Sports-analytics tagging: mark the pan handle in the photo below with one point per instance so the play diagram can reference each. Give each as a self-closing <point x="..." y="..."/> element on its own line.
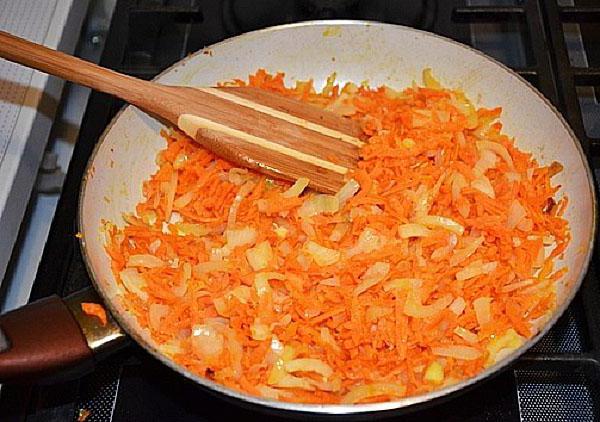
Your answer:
<point x="52" y="339"/>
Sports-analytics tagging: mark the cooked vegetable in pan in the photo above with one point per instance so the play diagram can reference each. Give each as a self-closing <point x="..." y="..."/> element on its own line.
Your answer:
<point x="436" y="259"/>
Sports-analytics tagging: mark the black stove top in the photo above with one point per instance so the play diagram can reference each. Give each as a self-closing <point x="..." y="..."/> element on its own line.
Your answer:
<point x="555" y="45"/>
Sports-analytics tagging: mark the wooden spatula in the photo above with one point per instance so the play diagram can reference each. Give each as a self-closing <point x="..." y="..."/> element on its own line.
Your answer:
<point x="272" y="134"/>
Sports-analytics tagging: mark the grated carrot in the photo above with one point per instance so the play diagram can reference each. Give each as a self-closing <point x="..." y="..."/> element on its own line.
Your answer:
<point x="238" y="326"/>
<point x="95" y="310"/>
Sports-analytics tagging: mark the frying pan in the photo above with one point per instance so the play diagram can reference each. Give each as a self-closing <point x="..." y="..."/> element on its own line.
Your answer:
<point x="53" y="334"/>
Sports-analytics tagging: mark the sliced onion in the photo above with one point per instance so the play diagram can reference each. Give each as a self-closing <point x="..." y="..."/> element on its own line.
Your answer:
<point x="548" y="240"/>
<point x="443" y="116"/>
<point x="483" y="185"/>
<point x="458" y="183"/>
<point x="466" y="335"/>
<point x="240" y="237"/>
<point x="134" y="282"/>
<point x="440" y="253"/>
<point x="149" y="217"/>
<point x="422" y="201"/>
<point x="460" y="101"/>
<point x="472" y="244"/>
<point x="457" y="352"/>
<point x="443" y="251"/>
<point x="342" y="105"/>
<point x="290" y="381"/>
<point x="221" y="306"/>
<point x="271" y="393"/>
<point x="402" y="283"/>
<point x="472" y="270"/>
<point x="487" y="160"/>
<point x="261" y="282"/>
<point x="237" y="200"/>
<point x="156" y="312"/>
<point x="347" y="191"/>
<point x="184" y="200"/>
<point x="170" y="190"/>
<point x="186" y="274"/>
<point x="498" y="149"/>
<point x="211" y="266"/>
<point x="309" y="365"/>
<point x="516" y="213"/>
<point x="321" y="255"/>
<point x="516" y="286"/>
<point x="207" y="341"/>
<point x="458" y="306"/>
<point x="460" y="138"/>
<point x="154" y="245"/>
<point x="413" y="230"/>
<point x="277" y="372"/>
<point x="392" y="94"/>
<point x="332" y="282"/>
<point x="429" y="81"/>
<point x="329" y="85"/>
<point x="189" y="229"/>
<point x="512" y="176"/>
<point x="489" y="267"/>
<point x="319" y="204"/>
<point x="372" y="276"/>
<point x="434" y="374"/>
<point x="328" y="339"/>
<point x="362" y="392"/>
<point x="483" y="311"/>
<point x="241" y="293"/>
<point x="350" y="88"/>
<point x="408" y="143"/>
<point x="297" y="188"/>
<point x="284" y="248"/>
<point x="539" y="260"/>
<point x="476" y="268"/>
<point x="418" y="251"/>
<point x="442" y="222"/>
<point x="368" y="241"/>
<point x="529" y="173"/>
<point x="237" y="176"/>
<point x="171" y="347"/>
<point x="259" y="331"/>
<point x="307" y="227"/>
<point x="235" y="350"/>
<point x="525" y="225"/>
<point x="175" y="218"/>
<point x="179" y="161"/>
<point x="280" y="231"/>
<point x="260" y="256"/>
<point x="338" y="232"/>
<point x="502" y="345"/>
<point x="464" y="208"/>
<point x="304" y="261"/>
<point x="145" y="260"/>
<point x="413" y="306"/>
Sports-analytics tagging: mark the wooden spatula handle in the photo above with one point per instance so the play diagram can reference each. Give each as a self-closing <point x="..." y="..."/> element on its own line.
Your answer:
<point x="19" y="50"/>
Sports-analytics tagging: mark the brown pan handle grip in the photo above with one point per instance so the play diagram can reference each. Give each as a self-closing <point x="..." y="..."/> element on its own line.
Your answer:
<point x="53" y="339"/>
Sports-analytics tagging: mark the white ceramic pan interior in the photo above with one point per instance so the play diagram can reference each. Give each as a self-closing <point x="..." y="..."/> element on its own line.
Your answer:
<point x="356" y="51"/>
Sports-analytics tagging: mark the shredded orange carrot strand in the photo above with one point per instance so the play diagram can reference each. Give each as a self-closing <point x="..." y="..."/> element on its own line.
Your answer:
<point x="95" y="310"/>
<point x="445" y="259"/>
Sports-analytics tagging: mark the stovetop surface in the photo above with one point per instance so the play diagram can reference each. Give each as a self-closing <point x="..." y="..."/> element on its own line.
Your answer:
<point x="556" y="46"/>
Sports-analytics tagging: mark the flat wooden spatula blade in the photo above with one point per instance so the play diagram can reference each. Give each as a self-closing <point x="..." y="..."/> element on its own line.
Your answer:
<point x="280" y="136"/>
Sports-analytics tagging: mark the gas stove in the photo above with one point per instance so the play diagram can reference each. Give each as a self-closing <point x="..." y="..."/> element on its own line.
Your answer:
<point x="554" y="45"/>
